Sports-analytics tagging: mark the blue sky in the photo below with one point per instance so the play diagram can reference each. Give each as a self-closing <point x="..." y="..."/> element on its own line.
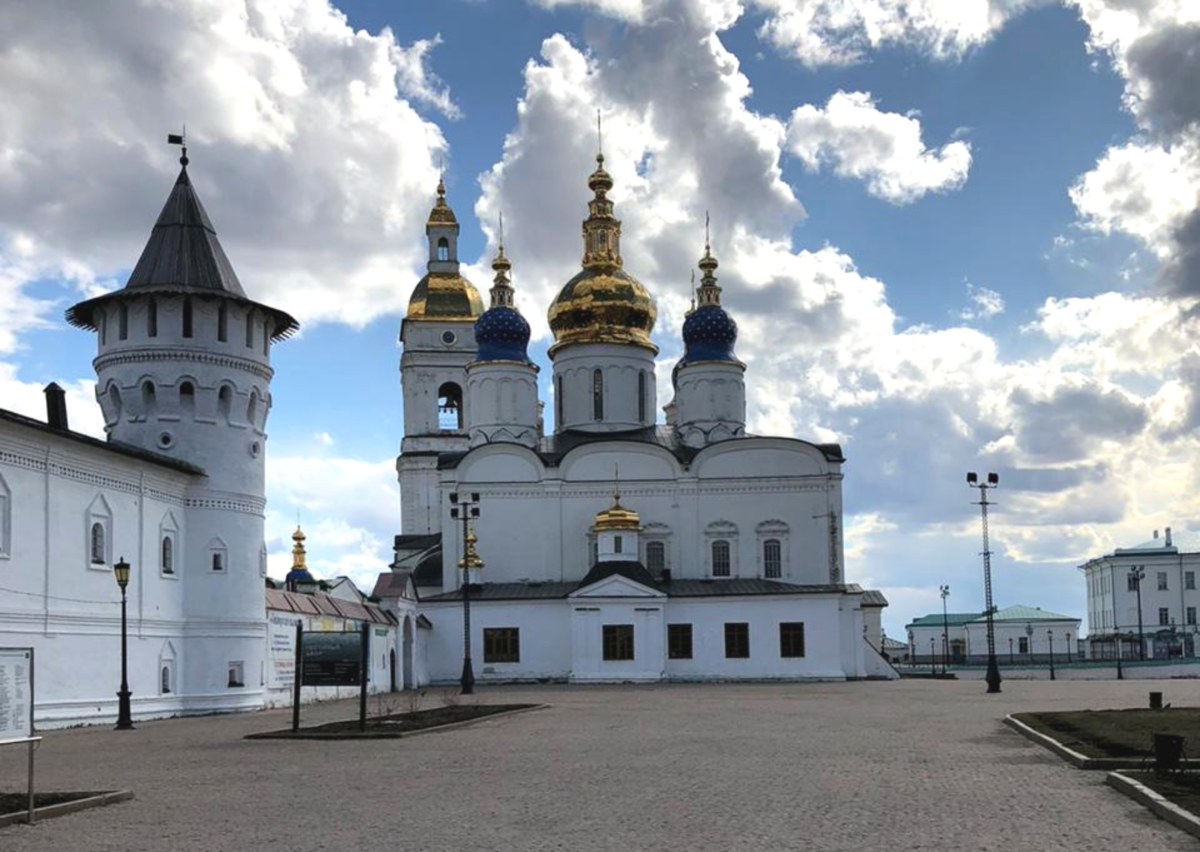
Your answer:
<point x="985" y="277"/>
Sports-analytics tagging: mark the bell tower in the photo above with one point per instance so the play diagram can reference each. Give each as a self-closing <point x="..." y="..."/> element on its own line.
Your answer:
<point x="437" y="335"/>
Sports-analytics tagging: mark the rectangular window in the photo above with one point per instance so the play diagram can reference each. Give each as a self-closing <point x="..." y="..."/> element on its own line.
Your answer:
<point x="791" y="639"/>
<point x="720" y="559"/>
<point x="1133" y="582"/>
<point x="618" y="642"/>
<point x="1191" y="615"/>
<point x="1162" y="581"/>
<point x="236" y="678"/>
<point x="501" y="645"/>
<point x="1164" y="616"/>
<point x="1023" y="645"/>
<point x="1189" y="580"/>
<point x="618" y="544"/>
<point x="737" y="640"/>
<point x="772" y="559"/>
<point x="679" y="641"/>
<point x="656" y="557"/>
<point x="218" y="561"/>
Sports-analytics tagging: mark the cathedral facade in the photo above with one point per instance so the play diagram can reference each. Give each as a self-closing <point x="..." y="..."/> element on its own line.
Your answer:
<point x="618" y="547"/>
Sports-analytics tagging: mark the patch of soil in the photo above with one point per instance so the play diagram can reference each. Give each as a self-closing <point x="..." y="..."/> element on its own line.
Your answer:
<point x="1180" y="788"/>
<point x="18" y="803"/>
<point x="396" y="724"/>
<point x="1118" y="733"/>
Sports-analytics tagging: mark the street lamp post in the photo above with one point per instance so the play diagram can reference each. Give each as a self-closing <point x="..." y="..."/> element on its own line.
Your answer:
<point x="993" y="669"/>
<point x="1120" y="671"/>
<point x="945" y="593"/>
<point x="912" y="649"/>
<point x="1010" y="653"/>
<point x="464" y="507"/>
<point x="1050" y="633"/>
<point x="1137" y="574"/>
<point x="933" y="656"/>
<point x="124" y="711"/>
<point x="1068" y="647"/>
<point x="1029" y="642"/>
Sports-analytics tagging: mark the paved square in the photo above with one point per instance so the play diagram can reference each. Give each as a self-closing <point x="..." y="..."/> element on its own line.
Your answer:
<point x="913" y="765"/>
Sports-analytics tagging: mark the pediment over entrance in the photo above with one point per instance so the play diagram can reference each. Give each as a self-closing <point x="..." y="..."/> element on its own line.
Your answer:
<point x="617" y="586"/>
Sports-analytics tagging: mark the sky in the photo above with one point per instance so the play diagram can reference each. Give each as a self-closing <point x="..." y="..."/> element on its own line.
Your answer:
<point x="956" y="234"/>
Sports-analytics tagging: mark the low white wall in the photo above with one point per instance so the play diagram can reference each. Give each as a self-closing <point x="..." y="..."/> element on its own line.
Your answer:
<point x="1132" y="671"/>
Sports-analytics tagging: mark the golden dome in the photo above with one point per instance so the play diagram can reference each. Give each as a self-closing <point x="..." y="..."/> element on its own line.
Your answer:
<point x="603" y="303"/>
<point x="617" y="517"/>
<point x="444" y="296"/>
<point x="441" y="214"/>
<point x="471" y="557"/>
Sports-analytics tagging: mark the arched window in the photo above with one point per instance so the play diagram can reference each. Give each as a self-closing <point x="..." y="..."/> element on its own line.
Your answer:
<point x="222" y="322"/>
<point x="152" y="318"/>
<point x="252" y="409"/>
<point x="772" y="559"/>
<point x="597" y="395"/>
<point x="5" y="520"/>
<point x="123" y="321"/>
<point x="166" y="680"/>
<point x="642" y="397"/>
<point x="656" y="556"/>
<point x="618" y="544"/>
<point x="187" y="316"/>
<point x="149" y="399"/>
<point x="114" y="402"/>
<point x="187" y="398"/>
<point x="224" y="402"/>
<point x="168" y="555"/>
<point x="595" y="552"/>
<point x="558" y="403"/>
<point x="250" y="329"/>
<point x="218" y="560"/>
<point x="443" y="249"/>
<point x="720" y="558"/>
<point x="450" y="415"/>
<point x="99" y="552"/>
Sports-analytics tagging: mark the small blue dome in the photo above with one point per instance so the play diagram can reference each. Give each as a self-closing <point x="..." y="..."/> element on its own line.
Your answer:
<point x="709" y="334"/>
<point x="299" y="575"/>
<point x="502" y="335"/>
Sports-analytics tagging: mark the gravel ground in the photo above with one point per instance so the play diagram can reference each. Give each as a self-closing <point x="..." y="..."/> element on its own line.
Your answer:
<point x="913" y="765"/>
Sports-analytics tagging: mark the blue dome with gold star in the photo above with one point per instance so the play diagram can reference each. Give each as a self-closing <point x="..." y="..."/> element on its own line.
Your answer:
<point x="502" y="335"/>
<point x="709" y="334"/>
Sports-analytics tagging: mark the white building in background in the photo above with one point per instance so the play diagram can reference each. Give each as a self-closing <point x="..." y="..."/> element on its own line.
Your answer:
<point x="616" y="548"/>
<point x="1023" y="634"/>
<point x="1167" y="623"/>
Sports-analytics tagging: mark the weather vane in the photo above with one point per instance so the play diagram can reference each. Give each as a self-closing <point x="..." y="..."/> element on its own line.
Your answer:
<point x="181" y="140"/>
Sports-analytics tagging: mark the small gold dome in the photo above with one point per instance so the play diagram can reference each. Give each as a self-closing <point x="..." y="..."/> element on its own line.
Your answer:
<point x="617" y="517"/>
<point x="444" y="296"/>
<point x="441" y="214"/>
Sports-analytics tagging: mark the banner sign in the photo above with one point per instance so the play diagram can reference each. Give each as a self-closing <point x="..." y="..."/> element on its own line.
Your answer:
<point x="16" y="693"/>
<point x="332" y="659"/>
<point x="281" y="635"/>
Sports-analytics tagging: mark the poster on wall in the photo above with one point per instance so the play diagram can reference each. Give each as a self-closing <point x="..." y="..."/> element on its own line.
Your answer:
<point x="281" y="634"/>
<point x="16" y="693"/>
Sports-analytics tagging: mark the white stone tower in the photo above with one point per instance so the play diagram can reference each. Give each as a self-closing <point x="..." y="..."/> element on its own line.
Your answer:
<point x="502" y="402"/>
<point x="602" y="318"/>
<point x="184" y="370"/>
<point x="710" y="383"/>
<point x="438" y="337"/>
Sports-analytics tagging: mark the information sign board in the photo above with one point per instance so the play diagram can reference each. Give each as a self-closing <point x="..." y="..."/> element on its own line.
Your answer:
<point x="281" y="634"/>
<point x="332" y="659"/>
<point x="16" y="693"/>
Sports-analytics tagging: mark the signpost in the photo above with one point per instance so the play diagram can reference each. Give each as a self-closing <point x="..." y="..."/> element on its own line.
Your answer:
<point x="16" y="706"/>
<point x="325" y="658"/>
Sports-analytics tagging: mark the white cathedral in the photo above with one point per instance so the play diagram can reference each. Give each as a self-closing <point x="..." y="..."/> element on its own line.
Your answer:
<point x="615" y="549"/>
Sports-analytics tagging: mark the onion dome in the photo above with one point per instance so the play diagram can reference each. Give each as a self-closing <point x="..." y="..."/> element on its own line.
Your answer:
<point x="502" y="334"/>
<point x="709" y="333"/>
<point x="603" y="303"/>
<point x="443" y="294"/>
<point x="471" y="557"/>
<point x="617" y="517"/>
<point x="299" y="572"/>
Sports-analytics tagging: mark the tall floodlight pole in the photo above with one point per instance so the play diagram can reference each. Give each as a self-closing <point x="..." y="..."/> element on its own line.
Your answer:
<point x="1137" y="574"/>
<point x="464" y="507"/>
<point x="945" y="593"/>
<point x="993" y="668"/>
<point x="1050" y="633"/>
<point x="124" y="711"/>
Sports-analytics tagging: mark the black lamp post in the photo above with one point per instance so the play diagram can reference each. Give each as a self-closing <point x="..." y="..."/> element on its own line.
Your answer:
<point x="912" y="649"/>
<point x="993" y="668"/>
<point x="1137" y="574"/>
<point x="1068" y="647"/>
<point x="465" y="507"/>
<point x="1050" y="633"/>
<point x="933" y="656"/>
<point x="1010" y="653"/>
<point x="1120" y="671"/>
<point x="945" y="593"/>
<point x="124" y="712"/>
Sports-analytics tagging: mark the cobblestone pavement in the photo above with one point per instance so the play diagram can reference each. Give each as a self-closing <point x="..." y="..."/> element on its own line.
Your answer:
<point x="913" y="765"/>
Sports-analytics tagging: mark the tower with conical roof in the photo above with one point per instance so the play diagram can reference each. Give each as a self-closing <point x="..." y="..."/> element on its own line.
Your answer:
<point x="184" y="370"/>
<point x="502" y="401"/>
<point x="602" y="320"/>
<point x="438" y="337"/>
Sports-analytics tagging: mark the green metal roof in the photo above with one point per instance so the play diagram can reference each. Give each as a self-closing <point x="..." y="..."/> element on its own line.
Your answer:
<point x="958" y="619"/>
<point x="1021" y="612"/>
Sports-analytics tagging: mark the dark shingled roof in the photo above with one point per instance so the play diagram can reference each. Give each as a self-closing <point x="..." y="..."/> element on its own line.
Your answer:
<point x="674" y="589"/>
<point x="635" y="571"/>
<point x="391" y="584"/>
<point x="553" y="448"/>
<point x="871" y="597"/>
<point x="182" y="256"/>
<point x="320" y="603"/>
<point x="109" y="446"/>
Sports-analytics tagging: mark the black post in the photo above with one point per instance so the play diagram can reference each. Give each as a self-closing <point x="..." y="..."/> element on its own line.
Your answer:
<point x="993" y="668"/>
<point x="1120" y="671"/>
<point x="1137" y="574"/>
<point x="932" y="656"/>
<point x="365" y="676"/>
<point x="124" y="710"/>
<point x="945" y="592"/>
<point x="1050" y="633"/>
<point x="1068" y="649"/>
<point x="1010" y="653"/>
<point x="466" y="506"/>
<point x="297" y="677"/>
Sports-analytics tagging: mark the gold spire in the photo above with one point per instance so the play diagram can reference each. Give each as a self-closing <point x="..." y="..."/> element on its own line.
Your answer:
<point x="502" y="289"/>
<point x="471" y="558"/>
<point x="441" y="214"/>
<point x="708" y="293"/>
<point x="443" y="294"/>
<point x="298" y="552"/>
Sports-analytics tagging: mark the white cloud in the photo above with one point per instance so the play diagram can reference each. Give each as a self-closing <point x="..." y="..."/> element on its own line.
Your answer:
<point x="28" y="398"/>
<point x="983" y="304"/>
<point x="316" y="170"/>
<point x="882" y="148"/>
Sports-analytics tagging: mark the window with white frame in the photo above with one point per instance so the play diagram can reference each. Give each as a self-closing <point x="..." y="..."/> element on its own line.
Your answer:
<point x="1162" y="581"/>
<point x="1189" y="580"/>
<point x="237" y="674"/>
<point x="656" y="556"/>
<point x="721" y="538"/>
<point x="772" y="559"/>
<point x="168" y="545"/>
<point x="1191" y="615"/>
<point x="772" y="548"/>
<point x="721" y="565"/>
<point x="98" y="532"/>
<point x="218" y="556"/>
<point x="5" y="520"/>
<point x="1164" y="616"/>
<point x="1132" y="582"/>
<point x="166" y="669"/>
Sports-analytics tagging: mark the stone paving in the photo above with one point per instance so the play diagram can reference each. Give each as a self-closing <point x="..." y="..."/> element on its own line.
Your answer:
<point x="913" y="765"/>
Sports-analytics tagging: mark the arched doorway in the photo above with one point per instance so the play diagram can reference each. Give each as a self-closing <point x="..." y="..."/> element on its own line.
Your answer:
<point x="408" y="653"/>
<point x="392" y="668"/>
